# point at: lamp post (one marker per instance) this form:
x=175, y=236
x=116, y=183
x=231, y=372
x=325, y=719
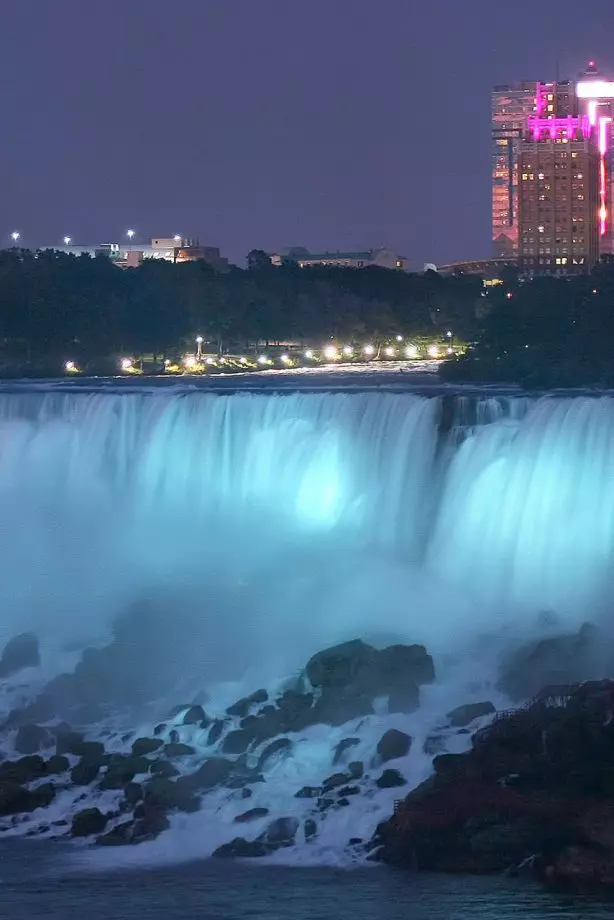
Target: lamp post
x=130, y=235
x=67, y=241
x=15, y=235
x=199, y=347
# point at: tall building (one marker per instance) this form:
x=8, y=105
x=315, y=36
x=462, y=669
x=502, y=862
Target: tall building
x=595, y=96
x=559, y=191
x=511, y=107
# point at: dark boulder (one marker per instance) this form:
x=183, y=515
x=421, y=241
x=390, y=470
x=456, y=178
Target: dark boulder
x=177, y=749
x=57, y=764
x=118, y=836
x=280, y=833
x=308, y=792
x=144, y=746
x=407, y=661
x=333, y=708
x=169, y=795
x=464, y=715
x=342, y=665
x=163, y=768
x=15, y=799
x=160, y=728
x=196, y=715
x=69, y=742
x=133, y=794
x=277, y=748
x=237, y=742
x=213, y=772
x=341, y=749
x=310, y=829
x=215, y=732
x=393, y=744
x=337, y=779
x=242, y=706
x=84, y=773
x=88, y=822
x=389, y=779
x=20, y=652
x=150, y=820
x=356, y=769
x=239, y=848
x=32, y=738
x=252, y=815
x=25, y=770
x=348, y=790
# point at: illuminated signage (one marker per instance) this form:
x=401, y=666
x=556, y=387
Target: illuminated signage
x=595, y=89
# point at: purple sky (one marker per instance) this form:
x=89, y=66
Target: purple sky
x=269, y=123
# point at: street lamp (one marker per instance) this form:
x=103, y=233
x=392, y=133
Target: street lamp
x=199, y=347
x=177, y=239
x=15, y=235
x=67, y=241
x=130, y=235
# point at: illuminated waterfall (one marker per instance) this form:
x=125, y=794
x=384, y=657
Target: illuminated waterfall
x=303, y=509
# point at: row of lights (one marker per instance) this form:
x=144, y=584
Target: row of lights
x=67, y=240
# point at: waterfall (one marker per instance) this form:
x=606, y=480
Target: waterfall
x=302, y=517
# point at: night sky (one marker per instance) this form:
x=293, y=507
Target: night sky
x=334, y=124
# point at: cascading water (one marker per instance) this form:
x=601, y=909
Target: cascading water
x=261, y=527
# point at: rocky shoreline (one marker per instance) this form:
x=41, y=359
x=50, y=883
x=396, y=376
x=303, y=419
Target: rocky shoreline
x=525, y=790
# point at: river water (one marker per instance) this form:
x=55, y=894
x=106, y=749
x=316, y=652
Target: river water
x=36, y=883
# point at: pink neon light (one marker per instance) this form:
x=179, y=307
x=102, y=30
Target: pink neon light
x=604, y=126
x=571, y=126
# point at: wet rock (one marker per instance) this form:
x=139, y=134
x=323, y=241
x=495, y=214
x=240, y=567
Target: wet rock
x=404, y=699
x=213, y=772
x=84, y=773
x=401, y=662
x=122, y=769
x=310, y=829
x=177, y=749
x=20, y=652
x=173, y=736
x=294, y=711
x=333, y=708
x=25, y=770
x=163, y=768
x=252, y=815
x=309, y=792
x=88, y=822
x=133, y=793
x=341, y=665
x=337, y=779
x=356, y=769
x=434, y=744
x=281, y=833
x=15, y=799
x=389, y=779
x=279, y=747
x=215, y=732
x=242, y=706
x=57, y=764
x=32, y=738
x=150, y=820
x=393, y=744
x=343, y=747
x=464, y=715
x=196, y=715
x=355, y=841
x=117, y=836
x=69, y=742
x=168, y=795
x=160, y=728
x=239, y=848
x=451, y=765
x=237, y=742
x=348, y=791
x=342, y=803
x=144, y=746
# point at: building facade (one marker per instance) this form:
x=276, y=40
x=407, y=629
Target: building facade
x=559, y=195
x=384, y=258
x=595, y=95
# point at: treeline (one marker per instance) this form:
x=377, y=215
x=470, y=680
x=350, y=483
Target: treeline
x=547, y=332
x=54, y=306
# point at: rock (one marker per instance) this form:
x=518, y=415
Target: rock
x=242, y=706
x=239, y=848
x=196, y=715
x=122, y=769
x=150, y=820
x=337, y=779
x=57, y=764
x=355, y=841
x=168, y=794
x=88, y=822
x=281, y=746
x=32, y=738
x=215, y=732
x=84, y=773
x=173, y=736
x=68, y=742
x=133, y=793
x=280, y=833
x=393, y=744
x=356, y=769
x=404, y=699
x=294, y=712
x=163, y=768
x=211, y=773
x=341, y=665
x=557, y=661
x=434, y=744
x=20, y=652
x=309, y=792
x=342, y=803
x=15, y=799
x=160, y=728
x=310, y=829
x=448, y=765
x=177, y=749
x=25, y=770
x=117, y=836
x=252, y=815
x=403, y=662
x=344, y=745
x=333, y=708
x=348, y=790
x=237, y=742
x=464, y=715
x=389, y=779
x=144, y=746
